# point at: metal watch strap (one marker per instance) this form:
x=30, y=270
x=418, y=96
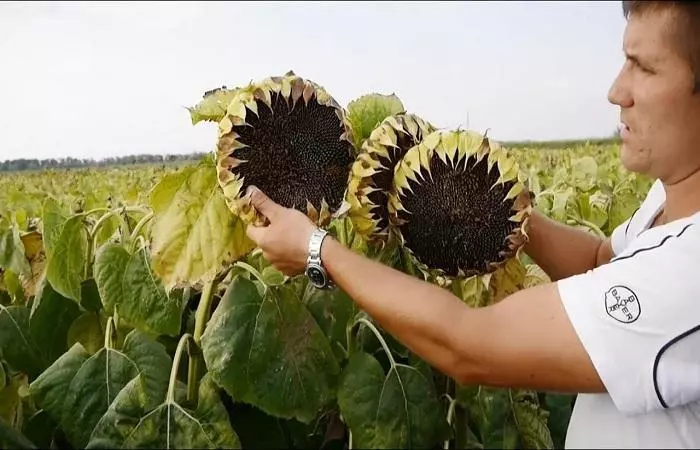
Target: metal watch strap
x=315, y=244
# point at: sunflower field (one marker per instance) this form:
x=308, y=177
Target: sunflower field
x=136, y=313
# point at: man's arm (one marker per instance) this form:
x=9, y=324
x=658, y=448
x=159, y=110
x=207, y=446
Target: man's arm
x=562, y=251
x=524, y=341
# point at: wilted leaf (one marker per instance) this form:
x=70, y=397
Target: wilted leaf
x=51, y=317
x=110, y=265
x=531, y=420
x=584, y=172
x=153, y=361
x=49, y=389
x=268, y=351
x=16, y=344
x=40, y=427
x=129, y=423
x=11, y=400
x=79, y=388
x=213, y=105
x=92, y=390
x=12, y=255
x=126, y=282
x=491, y=413
x=34, y=252
x=332, y=309
x=146, y=304
x=193, y=231
x=52, y=220
x=394, y=410
x=66, y=263
x=89, y=330
x=368, y=111
x=11, y=438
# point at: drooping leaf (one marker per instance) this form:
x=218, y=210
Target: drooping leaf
x=51, y=317
x=559, y=407
x=92, y=390
x=40, y=427
x=255, y=429
x=12, y=255
x=89, y=330
x=193, y=231
x=78, y=388
x=393, y=410
x=107, y=230
x=491, y=414
x=332, y=309
x=367, y=112
x=11, y=399
x=34, y=252
x=110, y=265
x=49, y=389
x=268, y=351
x=531, y=420
x=130, y=423
x=145, y=303
x=14, y=286
x=213, y=105
x=17, y=346
x=11, y=438
x=584, y=172
x=153, y=362
x=65, y=269
x=90, y=295
x=52, y=219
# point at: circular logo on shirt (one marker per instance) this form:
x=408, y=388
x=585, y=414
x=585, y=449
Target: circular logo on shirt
x=622, y=304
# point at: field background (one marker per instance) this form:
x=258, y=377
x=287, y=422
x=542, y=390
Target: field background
x=578, y=183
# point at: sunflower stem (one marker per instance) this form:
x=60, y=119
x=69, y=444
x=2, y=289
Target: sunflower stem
x=250, y=269
x=450, y=417
x=109, y=333
x=380, y=338
x=201, y=319
x=184, y=340
x=141, y=224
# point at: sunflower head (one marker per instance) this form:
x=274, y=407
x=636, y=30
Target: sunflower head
x=290, y=138
x=372, y=172
x=459, y=205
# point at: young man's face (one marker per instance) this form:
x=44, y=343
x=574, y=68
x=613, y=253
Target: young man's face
x=654, y=89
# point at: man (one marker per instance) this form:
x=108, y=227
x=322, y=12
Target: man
x=620, y=322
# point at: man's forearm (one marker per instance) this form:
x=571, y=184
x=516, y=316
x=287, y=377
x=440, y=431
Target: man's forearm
x=422, y=316
x=560, y=250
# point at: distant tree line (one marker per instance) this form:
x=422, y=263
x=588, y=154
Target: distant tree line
x=75, y=163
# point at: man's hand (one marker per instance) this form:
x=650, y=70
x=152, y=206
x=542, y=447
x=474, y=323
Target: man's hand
x=284, y=242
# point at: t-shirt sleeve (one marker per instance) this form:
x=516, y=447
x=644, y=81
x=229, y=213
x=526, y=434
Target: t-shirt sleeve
x=638, y=318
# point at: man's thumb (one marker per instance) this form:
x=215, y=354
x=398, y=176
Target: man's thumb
x=262, y=202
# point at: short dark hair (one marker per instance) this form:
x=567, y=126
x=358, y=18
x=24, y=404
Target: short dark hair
x=688, y=32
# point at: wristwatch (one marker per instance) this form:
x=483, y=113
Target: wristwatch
x=315, y=271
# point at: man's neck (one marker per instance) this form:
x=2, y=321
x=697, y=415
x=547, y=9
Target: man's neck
x=682, y=198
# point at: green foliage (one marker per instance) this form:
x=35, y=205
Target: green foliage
x=110, y=278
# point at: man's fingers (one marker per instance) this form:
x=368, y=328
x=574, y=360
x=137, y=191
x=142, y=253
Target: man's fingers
x=255, y=233
x=263, y=203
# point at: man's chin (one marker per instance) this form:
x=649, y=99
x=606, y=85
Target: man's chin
x=633, y=159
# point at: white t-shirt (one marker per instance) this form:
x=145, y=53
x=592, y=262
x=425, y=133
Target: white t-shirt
x=639, y=320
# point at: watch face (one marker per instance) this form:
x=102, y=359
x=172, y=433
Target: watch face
x=316, y=276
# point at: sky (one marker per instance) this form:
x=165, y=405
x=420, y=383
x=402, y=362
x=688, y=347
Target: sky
x=94, y=80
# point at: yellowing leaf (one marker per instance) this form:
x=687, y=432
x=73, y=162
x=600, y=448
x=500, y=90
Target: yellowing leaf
x=193, y=233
